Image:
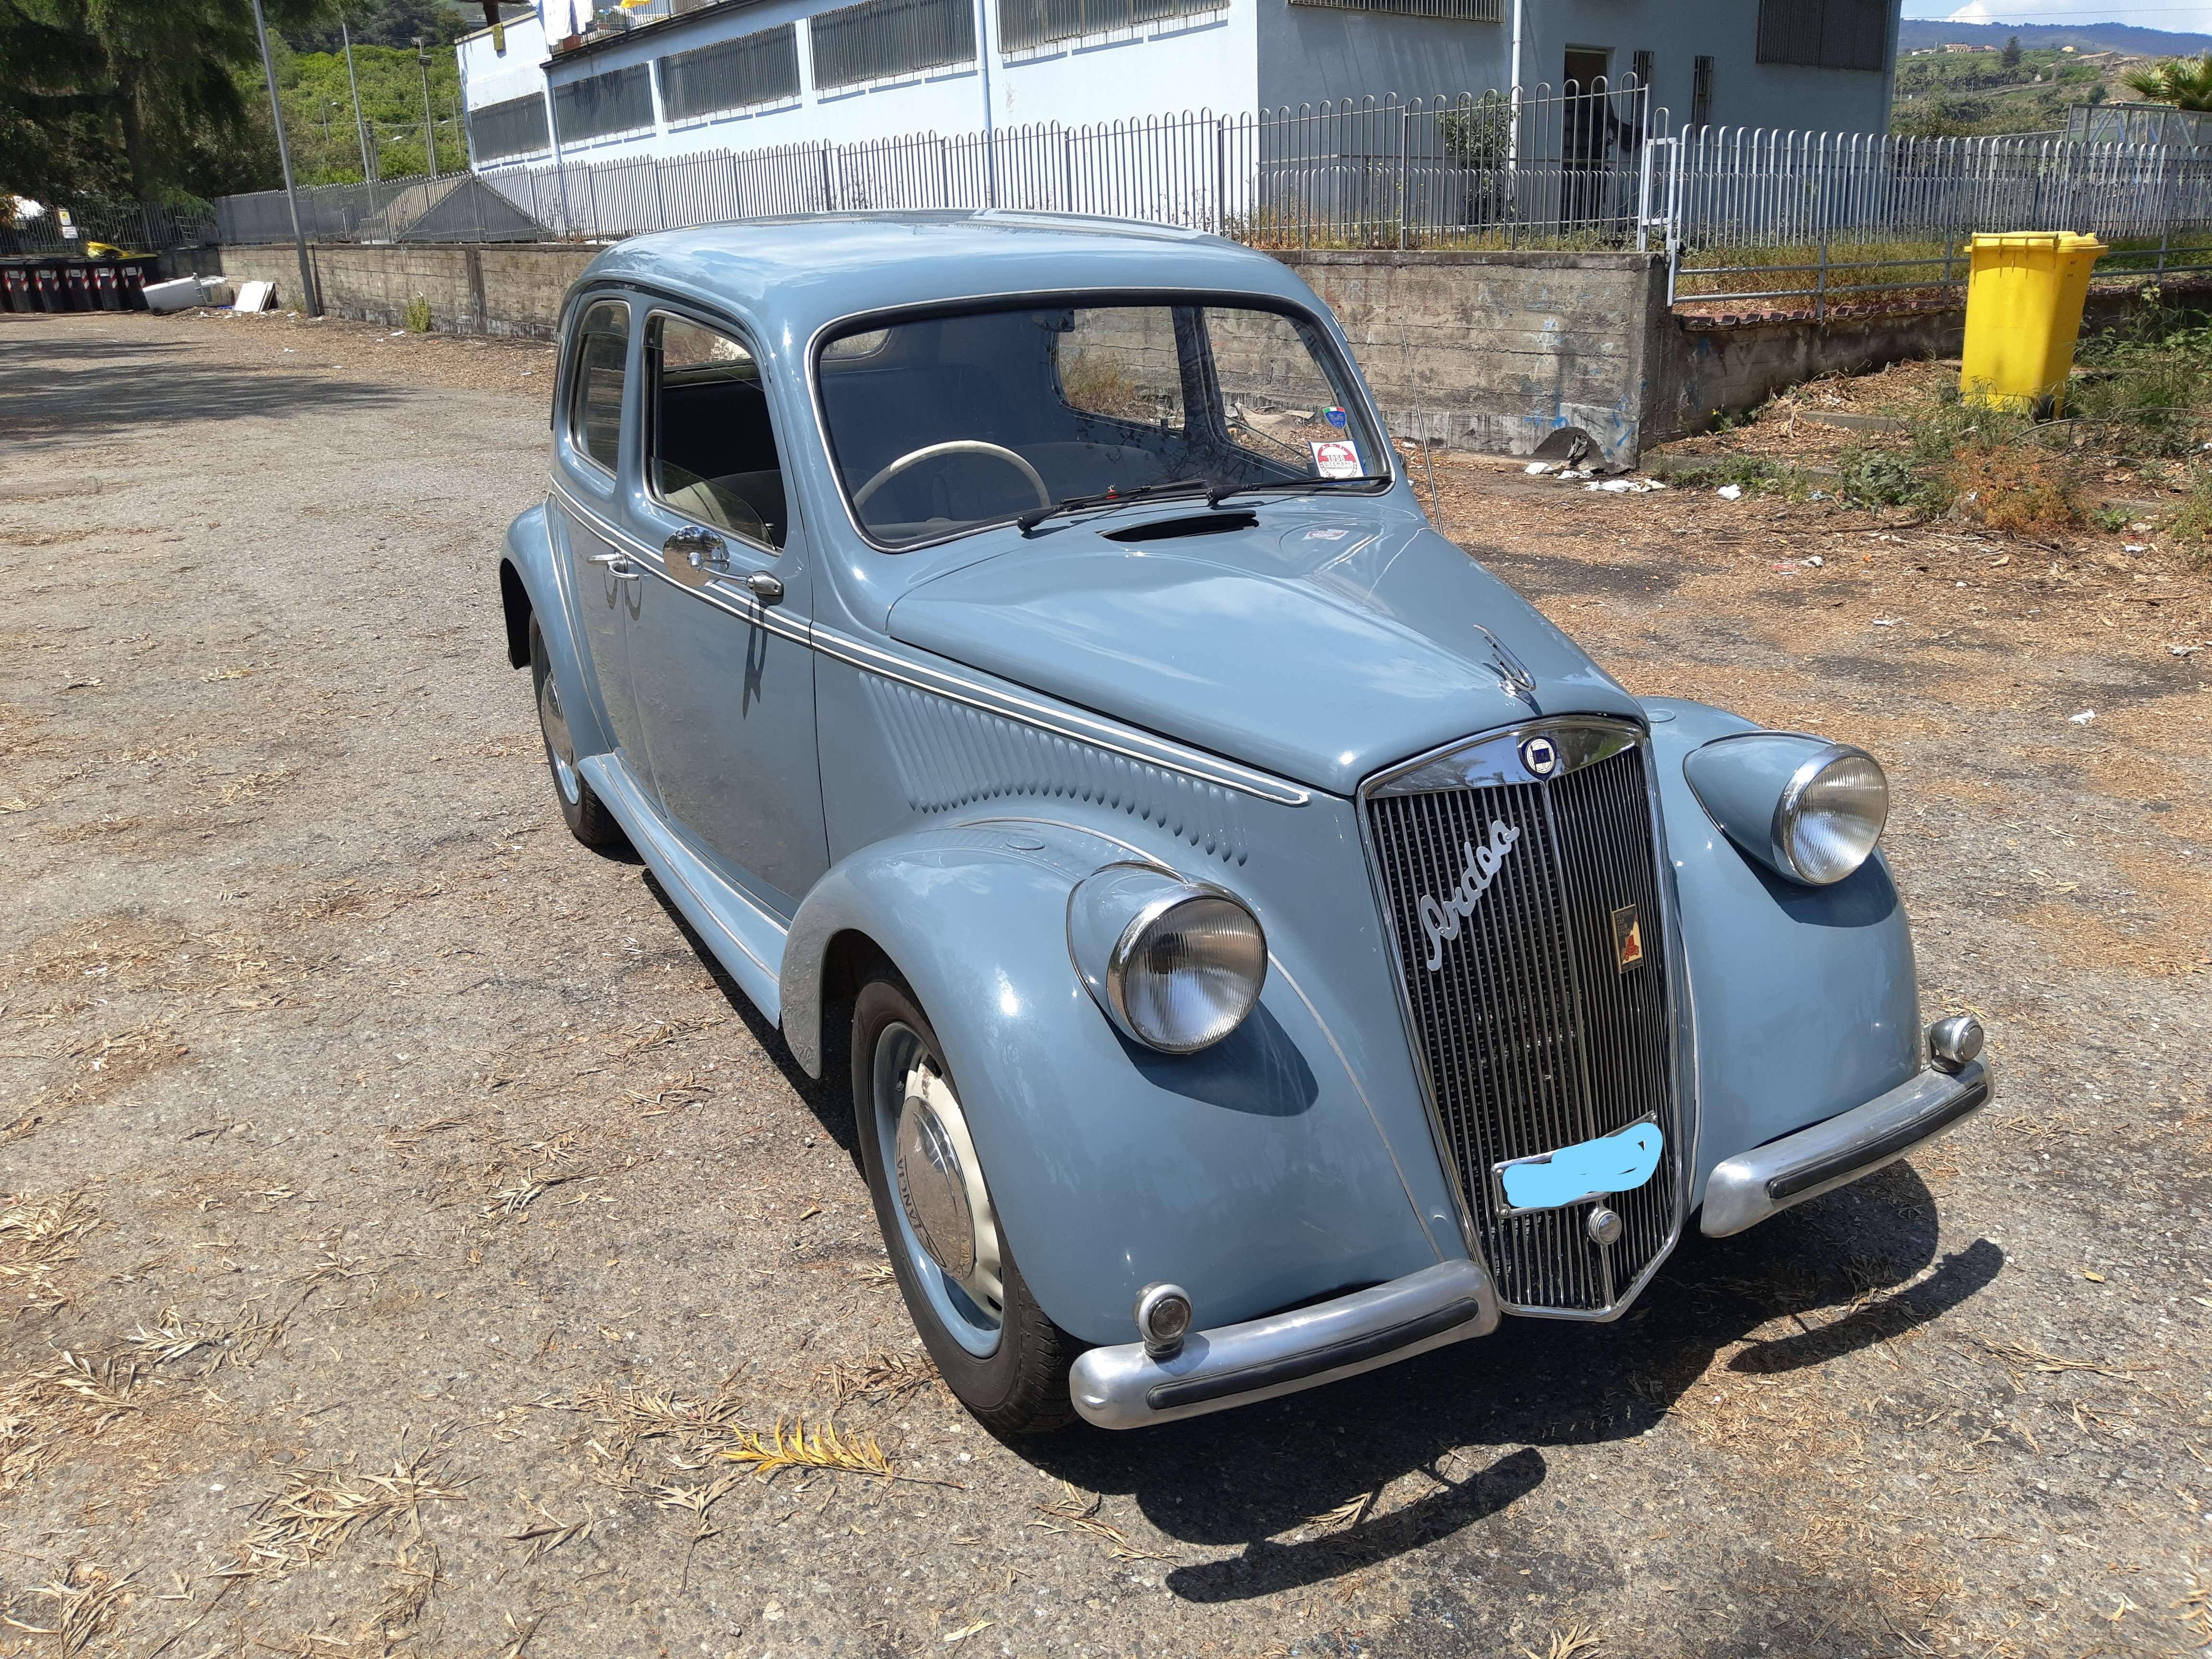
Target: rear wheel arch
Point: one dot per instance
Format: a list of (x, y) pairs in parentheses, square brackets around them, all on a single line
[(515, 603)]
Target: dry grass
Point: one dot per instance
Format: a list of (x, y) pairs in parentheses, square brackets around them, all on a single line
[(2019, 490), (318, 1509), (35, 1239), (821, 1447)]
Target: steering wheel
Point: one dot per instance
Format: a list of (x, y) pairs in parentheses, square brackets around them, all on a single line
[(914, 458)]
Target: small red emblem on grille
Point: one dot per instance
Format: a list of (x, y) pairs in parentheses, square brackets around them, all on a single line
[(1627, 939)]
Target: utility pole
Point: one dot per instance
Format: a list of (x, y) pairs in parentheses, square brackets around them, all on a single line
[(429, 132), (360, 126), (307, 294)]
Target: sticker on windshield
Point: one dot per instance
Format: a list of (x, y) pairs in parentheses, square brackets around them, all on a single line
[(1336, 418), (1337, 461)]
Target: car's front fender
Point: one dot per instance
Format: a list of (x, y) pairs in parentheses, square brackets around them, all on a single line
[(1805, 1000), (1253, 1173)]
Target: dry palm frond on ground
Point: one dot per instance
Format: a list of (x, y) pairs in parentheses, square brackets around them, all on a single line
[(548, 1531), (879, 1378), (1575, 1641), (319, 1509), (821, 1447), (85, 1600), (1070, 1512)]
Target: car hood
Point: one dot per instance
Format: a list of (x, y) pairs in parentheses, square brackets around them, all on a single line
[(1321, 652)]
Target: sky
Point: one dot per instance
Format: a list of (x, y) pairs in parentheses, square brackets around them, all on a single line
[(2194, 19)]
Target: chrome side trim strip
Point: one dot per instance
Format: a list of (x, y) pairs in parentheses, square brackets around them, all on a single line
[(1746, 1189), (1062, 722), (1125, 1388)]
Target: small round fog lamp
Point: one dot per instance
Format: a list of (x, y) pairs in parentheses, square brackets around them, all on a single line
[(1164, 1319), (1954, 1041)]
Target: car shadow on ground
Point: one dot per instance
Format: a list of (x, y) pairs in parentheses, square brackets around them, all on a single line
[(1475, 1419), (55, 391)]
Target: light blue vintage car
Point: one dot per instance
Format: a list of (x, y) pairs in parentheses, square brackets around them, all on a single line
[(1262, 947)]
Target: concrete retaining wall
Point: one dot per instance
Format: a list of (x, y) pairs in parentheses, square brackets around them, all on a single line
[(1497, 351), (495, 289), (1489, 351)]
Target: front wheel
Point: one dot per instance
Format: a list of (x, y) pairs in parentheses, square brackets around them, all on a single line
[(1005, 1360)]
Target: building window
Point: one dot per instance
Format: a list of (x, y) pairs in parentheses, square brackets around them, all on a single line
[(1701, 91), (1464, 11), (516, 127), (1639, 65), (753, 68), (1846, 34), (1023, 24), (878, 39), (620, 100)]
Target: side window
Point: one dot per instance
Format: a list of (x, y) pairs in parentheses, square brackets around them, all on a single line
[(1121, 362), (710, 451), (596, 401)]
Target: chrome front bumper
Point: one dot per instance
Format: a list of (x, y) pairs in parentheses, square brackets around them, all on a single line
[(1767, 1180), (1125, 1388)]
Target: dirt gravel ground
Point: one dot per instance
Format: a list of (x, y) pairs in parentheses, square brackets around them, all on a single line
[(415, 1248)]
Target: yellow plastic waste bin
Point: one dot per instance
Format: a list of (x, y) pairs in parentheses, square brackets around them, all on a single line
[(2024, 294)]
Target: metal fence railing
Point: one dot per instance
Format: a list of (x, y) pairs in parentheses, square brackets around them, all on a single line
[(1765, 215), (133, 226), (1741, 214)]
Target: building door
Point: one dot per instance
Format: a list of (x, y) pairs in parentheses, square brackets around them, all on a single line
[(1585, 135)]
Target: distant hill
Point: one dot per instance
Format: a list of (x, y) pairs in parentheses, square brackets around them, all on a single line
[(1917, 34)]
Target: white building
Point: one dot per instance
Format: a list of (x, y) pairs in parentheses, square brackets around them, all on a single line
[(704, 75)]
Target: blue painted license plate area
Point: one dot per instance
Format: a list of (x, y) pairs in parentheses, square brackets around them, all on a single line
[(1617, 1162)]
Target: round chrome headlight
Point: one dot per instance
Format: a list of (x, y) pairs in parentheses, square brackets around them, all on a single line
[(1830, 815), (1187, 968)]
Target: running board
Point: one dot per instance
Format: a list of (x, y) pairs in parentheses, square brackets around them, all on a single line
[(745, 939)]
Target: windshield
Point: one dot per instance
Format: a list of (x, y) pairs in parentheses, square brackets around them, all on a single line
[(943, 423)]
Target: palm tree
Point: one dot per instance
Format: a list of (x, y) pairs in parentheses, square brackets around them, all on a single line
[(2184, 82)]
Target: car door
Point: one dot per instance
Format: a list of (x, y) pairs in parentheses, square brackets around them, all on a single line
[(721, 667), (587, 466)]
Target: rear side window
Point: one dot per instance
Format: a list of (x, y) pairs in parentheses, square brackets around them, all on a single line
[(710, 449), (595, 407)]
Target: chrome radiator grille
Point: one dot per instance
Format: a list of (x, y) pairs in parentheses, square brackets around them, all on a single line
[(1533, 1034)]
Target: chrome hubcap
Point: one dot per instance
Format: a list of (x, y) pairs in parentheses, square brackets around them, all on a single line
[(560, 749), (945, 1211)]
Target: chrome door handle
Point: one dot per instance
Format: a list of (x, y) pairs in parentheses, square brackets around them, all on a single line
[(766, 588), (617, 566)]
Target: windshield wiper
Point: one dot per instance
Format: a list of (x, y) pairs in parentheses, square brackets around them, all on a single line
[(1221, 493), (1037, 516)]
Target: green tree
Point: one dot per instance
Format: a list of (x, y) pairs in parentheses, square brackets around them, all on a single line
[(2010, 57), (2184, 82), (127, 98)]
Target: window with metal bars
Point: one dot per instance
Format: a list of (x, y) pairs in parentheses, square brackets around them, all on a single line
[(1023, 24), (620, 100), (878, 40), (1463, 11), (1639, 65), (1845, 34), (516, 127), (1701, 91), (762, 68)]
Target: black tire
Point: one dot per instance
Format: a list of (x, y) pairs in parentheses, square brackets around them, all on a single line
[(1021, 1387), (585, 813)]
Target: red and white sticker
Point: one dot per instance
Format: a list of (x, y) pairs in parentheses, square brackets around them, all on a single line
[(1337, 461)]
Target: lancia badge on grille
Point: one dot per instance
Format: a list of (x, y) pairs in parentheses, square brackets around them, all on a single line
[(1627, 939), (1538, 754)]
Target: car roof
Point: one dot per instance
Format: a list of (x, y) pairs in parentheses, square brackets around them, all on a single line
[(795, 273)]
